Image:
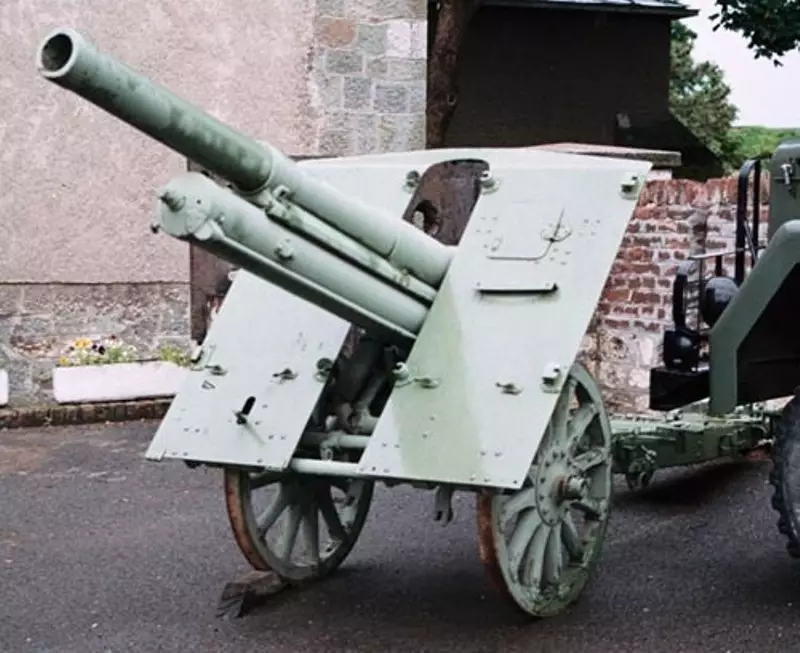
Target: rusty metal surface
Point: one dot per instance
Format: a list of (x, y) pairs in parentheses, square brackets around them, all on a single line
[(235, 507), (487, 549)]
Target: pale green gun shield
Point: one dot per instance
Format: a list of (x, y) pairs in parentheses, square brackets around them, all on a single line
[(473, 400)]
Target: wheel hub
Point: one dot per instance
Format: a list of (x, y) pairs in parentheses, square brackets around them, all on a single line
[(558, 483), (573, 487)]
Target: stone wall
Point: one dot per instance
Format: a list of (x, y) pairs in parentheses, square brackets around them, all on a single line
[(370, 66), (673, 220), (37, 320)]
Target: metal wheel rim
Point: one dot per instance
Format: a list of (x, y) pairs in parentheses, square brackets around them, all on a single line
[(545, 560), (308, 508)]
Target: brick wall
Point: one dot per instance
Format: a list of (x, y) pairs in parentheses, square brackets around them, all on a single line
[(673, 220)]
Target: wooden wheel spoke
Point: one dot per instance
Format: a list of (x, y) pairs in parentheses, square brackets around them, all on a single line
[(579, 423), (540, 543), (267, 519), (524, 532), (571, 538), (331, 517), (288, 538), (561, 412), (297, 550), (589, 459), (553, 556), (311, 532), (531, 569), (520, 501)]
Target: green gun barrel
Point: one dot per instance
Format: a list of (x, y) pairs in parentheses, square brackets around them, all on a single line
[(68, 60), (195, 209)]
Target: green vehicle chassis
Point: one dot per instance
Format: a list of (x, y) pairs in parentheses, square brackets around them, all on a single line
[(355, 347)]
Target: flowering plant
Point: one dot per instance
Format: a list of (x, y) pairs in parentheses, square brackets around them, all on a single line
[(105, 351)]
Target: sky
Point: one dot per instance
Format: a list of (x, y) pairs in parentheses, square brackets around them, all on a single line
[(765, 95)]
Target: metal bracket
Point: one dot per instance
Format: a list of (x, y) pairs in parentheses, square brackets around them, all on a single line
[(444, 504), (402, 376), (787, 169), (412, 181), (550, 376), (489, 183), (629, 188)]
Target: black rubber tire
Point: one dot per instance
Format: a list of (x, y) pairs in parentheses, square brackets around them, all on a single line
[(785, 474)]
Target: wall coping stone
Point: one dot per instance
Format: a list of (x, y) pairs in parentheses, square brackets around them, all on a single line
[(659, 158)]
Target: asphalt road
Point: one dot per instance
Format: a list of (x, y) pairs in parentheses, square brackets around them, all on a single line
[(102, 551)]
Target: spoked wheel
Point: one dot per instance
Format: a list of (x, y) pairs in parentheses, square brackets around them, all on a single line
[(541, 543), (785, 475), (300, 527)]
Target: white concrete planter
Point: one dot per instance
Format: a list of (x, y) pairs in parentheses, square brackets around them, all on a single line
[(3, 387), (117, 382)]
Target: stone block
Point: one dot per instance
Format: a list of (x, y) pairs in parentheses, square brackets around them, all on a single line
[(382, 9), (371, 39), (344, 62), (335, 143), (391, 98), (407, 39), (331, 90), (330, 8), (364, 126), (402, 70), (357, 93), (398, 133), (417, 97), (354, 123), (377, 68)]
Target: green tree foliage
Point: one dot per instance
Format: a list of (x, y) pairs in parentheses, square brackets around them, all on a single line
[(700, 98), (771, 27), (754, 141)]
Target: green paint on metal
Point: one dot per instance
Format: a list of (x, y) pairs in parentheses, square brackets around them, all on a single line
[(643, 445), (235, 230), (741, 318), (422, 437), (502, 356), (784, 178)]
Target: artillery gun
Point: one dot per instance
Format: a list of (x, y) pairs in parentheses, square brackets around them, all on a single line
[(355, 348)]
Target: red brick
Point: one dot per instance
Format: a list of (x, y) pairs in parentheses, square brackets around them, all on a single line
[(645, 298)]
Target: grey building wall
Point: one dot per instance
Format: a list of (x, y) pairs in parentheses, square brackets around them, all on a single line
[(77, 258)]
